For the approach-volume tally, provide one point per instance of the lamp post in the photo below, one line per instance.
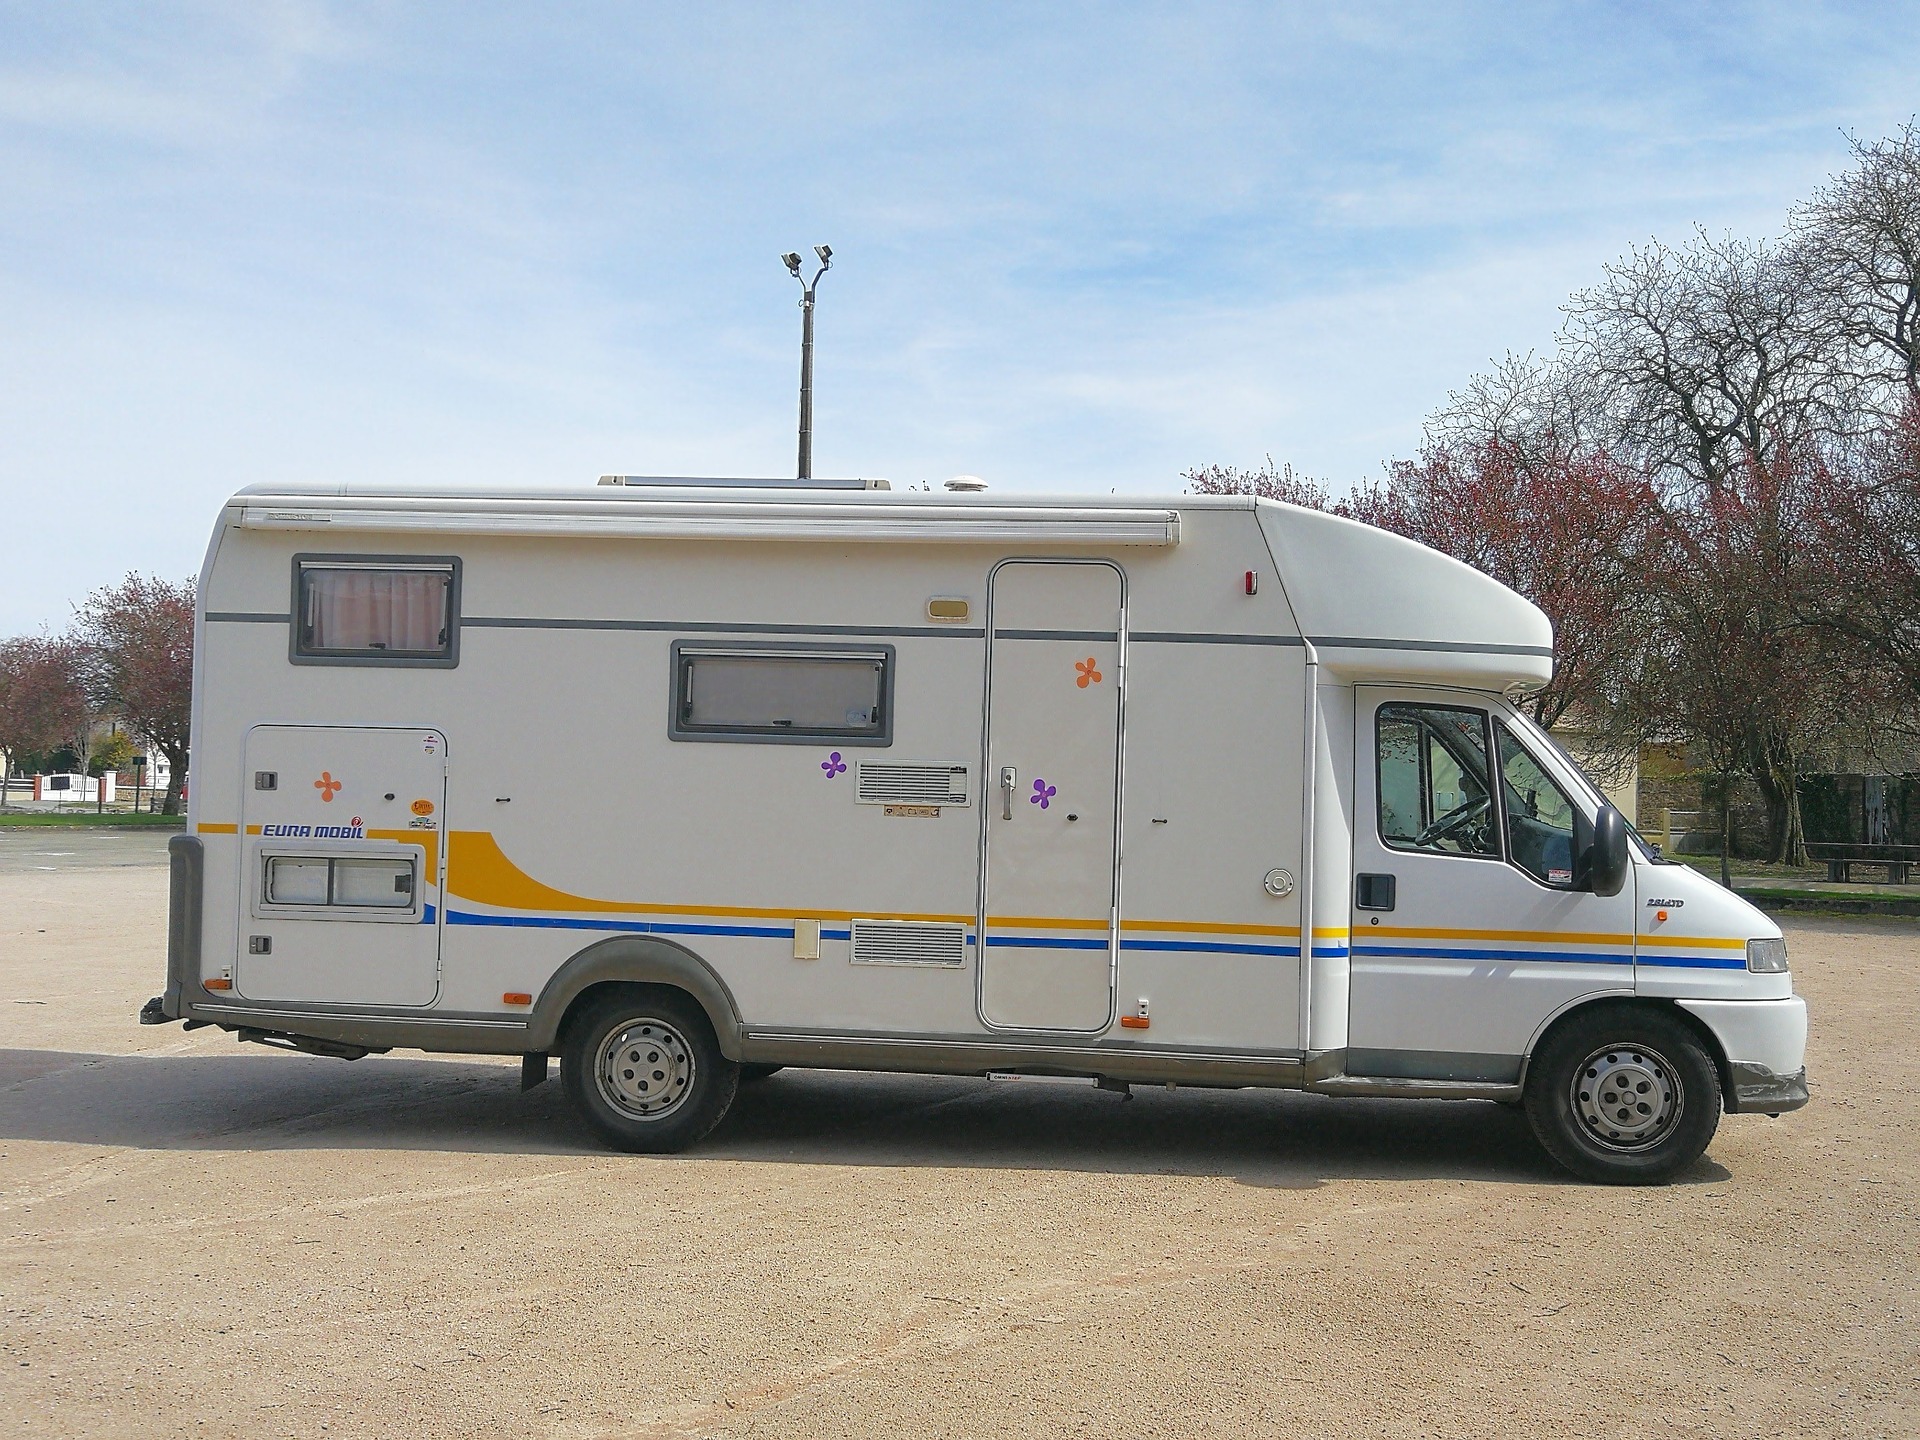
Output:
(792, 260)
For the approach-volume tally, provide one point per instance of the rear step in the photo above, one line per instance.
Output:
(309, 1045)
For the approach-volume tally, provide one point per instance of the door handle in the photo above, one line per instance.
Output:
(1009, 777)
(1374, 892)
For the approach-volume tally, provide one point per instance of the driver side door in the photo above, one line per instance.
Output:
(1472, 920)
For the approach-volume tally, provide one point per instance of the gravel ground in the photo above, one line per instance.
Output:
(204, 1239)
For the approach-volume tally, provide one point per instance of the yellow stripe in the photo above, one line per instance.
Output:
(207, 828)
(1691, 942)
(253, 829)
(1325, 932)
(1559, 937)
(479, 870)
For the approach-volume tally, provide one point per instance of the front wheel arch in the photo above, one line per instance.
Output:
(1565, 1016)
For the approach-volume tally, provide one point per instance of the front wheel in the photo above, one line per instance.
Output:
(1623, 1095)
(642, 1068)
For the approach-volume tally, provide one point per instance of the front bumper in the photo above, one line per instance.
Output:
(1756, 1090)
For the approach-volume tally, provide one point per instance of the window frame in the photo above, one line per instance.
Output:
(1580, 838)
(265, 908)
(1499, 855)
(879, 737)
(447, 659)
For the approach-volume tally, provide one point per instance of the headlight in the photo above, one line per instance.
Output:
(1766, 957)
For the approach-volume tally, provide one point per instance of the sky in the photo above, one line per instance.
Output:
(1077, 248)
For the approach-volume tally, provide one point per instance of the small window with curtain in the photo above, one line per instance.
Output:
(376, 610)
(782, 693)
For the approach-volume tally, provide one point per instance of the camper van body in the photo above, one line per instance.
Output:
(1149, 791)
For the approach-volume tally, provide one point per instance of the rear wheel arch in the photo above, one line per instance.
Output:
(632, 960)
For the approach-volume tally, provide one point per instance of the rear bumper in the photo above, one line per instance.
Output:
(1756, 1090)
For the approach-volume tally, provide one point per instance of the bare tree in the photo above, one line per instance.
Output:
(1532, 410)
(1692, 361)
(1860, 234)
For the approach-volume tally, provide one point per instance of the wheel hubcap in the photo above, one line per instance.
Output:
(644, 1069)
(1627, 1097)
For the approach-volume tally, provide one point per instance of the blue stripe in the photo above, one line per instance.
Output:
(1029, 942)
(1696, 962)
(1334, 952)
(636, 927)
(1573, 957)
(426, 915)
(1211, 947)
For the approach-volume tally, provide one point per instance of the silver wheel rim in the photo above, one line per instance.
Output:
(1628, 1097)
(644, 1069)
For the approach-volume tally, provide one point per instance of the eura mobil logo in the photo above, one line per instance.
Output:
(350, 831)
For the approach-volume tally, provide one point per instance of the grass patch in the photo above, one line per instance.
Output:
(80, 819)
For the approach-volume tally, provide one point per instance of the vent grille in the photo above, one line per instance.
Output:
(909, 942)
(907, 782)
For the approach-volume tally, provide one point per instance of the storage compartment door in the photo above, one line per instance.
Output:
(339, 893)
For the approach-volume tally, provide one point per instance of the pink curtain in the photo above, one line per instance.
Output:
(376, 609)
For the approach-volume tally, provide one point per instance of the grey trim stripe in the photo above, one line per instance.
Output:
(714, 627)
(1055, 635)
(1353, 642)
(382, 1014)
(1194, 637)
(956, 632)
(1050, 1044)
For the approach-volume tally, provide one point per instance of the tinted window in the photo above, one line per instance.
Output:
(1539, 815)
(744, 694)
(1432, 780)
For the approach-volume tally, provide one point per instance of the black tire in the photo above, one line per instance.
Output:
(1623, 1095)
(750, 1073)
(669, 1089)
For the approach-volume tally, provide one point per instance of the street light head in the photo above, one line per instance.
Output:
(825, 252)
(792, 263)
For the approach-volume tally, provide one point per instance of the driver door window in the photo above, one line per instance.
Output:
(1433, 786)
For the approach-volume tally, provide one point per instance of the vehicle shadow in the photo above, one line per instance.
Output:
(1282, 1139)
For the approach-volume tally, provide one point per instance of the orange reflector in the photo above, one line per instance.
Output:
(1134, 1022)
(1659, 914)
(216, 984)
(514, 997)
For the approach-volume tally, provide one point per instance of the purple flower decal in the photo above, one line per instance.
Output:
(834, 765)
(1042, 793)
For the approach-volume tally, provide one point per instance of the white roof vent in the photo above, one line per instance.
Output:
(966, 482)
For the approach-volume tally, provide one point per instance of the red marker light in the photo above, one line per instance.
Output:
(1253, 582)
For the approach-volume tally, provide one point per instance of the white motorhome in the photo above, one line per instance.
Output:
(684, 782)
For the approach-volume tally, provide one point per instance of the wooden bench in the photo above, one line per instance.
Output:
(1898, 860)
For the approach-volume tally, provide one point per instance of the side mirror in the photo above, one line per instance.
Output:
(1608, 868)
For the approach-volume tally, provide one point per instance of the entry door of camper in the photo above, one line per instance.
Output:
(1049, 920)
(338, 894)
(1472, 920)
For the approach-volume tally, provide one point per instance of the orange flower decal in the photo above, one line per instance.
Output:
(1089, 672)
(327, 786)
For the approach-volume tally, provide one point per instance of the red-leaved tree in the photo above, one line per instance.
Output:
(138, 640)
(43, 703)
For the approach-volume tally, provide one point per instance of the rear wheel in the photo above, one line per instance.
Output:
(643, 1070)
(1623, 1095)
